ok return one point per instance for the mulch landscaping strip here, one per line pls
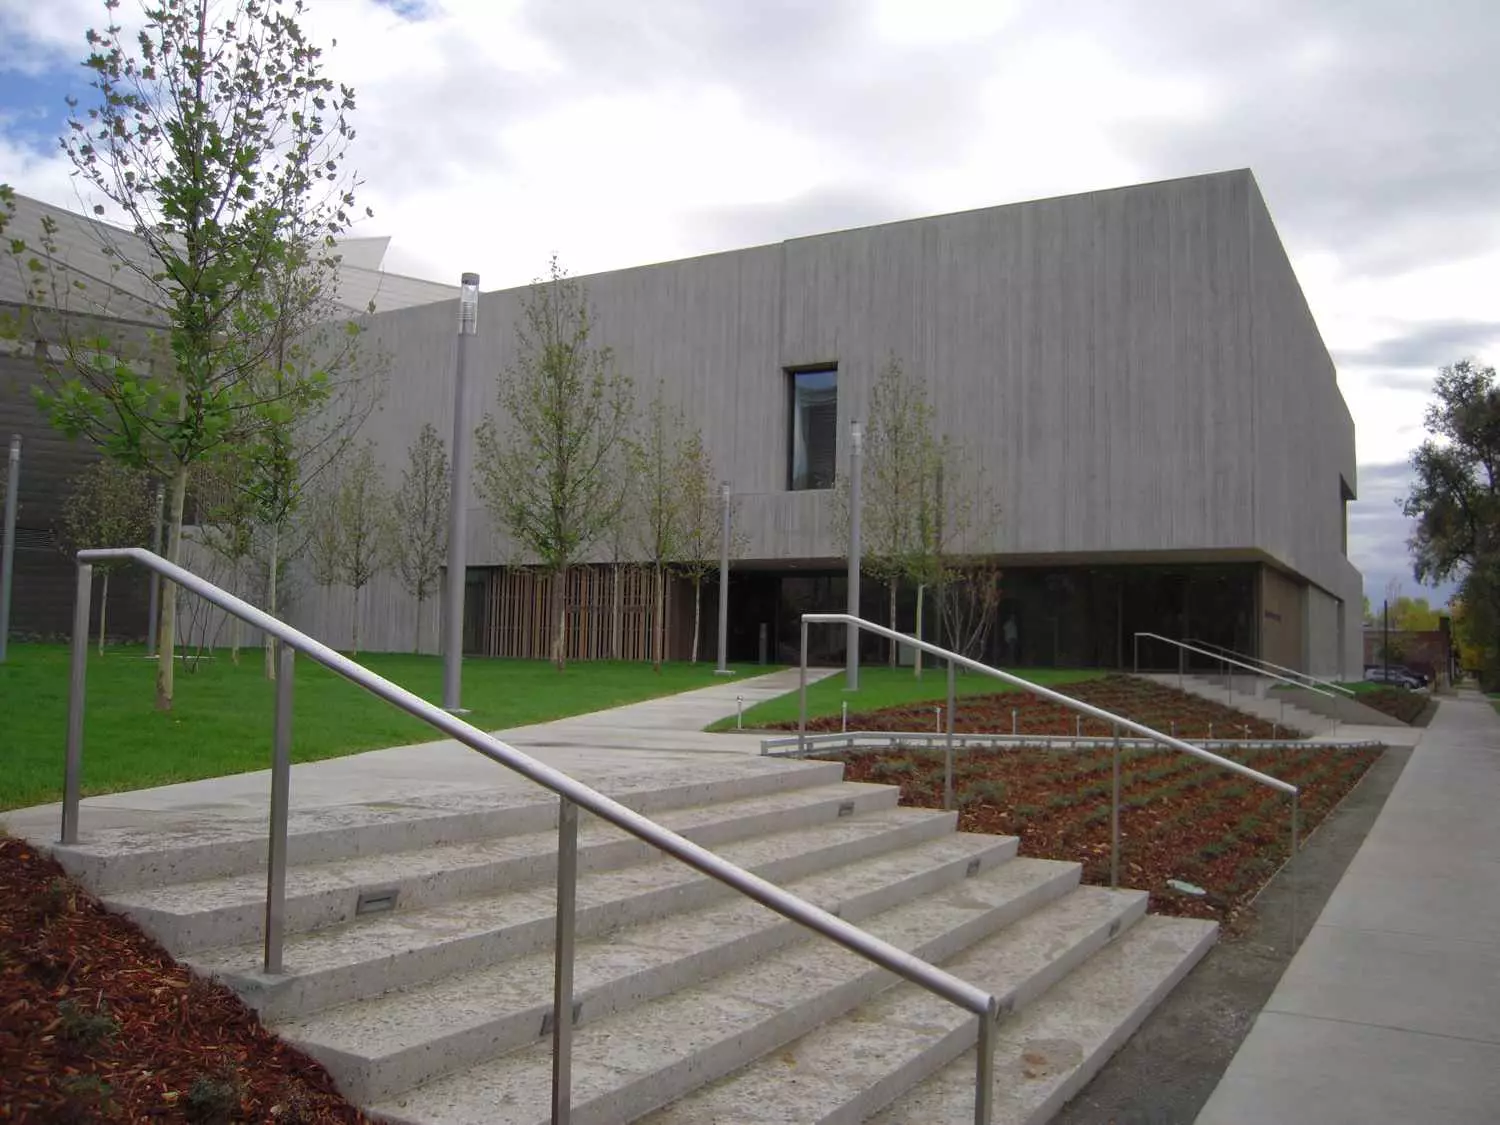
(1156, 705)
(98, 1023)
(1396, 702)
(1180, 819)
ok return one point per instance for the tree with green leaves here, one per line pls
(543, 468)
(225, 524)
(656, 451)
(421, 539)
(363, 516)
(108, 505)
(217, 136)
(1455, 499)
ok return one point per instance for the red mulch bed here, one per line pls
(1179, 819)
(98, 1023)
(1396, 702)
(1150, 703)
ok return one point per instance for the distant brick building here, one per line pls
(1428, 650)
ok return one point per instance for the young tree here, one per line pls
(897, 467)
(544, 473)
(363, 518)
(1455, 498)
(703, 525)
(108, 505)
(226, 525)
(421, 539)
(656, 453)
(217, 135)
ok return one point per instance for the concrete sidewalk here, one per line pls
(1390, 1011)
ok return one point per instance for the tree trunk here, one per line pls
(658, 624)
(416, 641)
(617, 617)
(103, 607)
(270, 642)
(354, 643)
(166, 639)
(697, 612)
(895, 646)
(560, 618)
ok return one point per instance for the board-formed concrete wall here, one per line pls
(1132, 371)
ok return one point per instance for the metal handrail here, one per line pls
(573, 795)
(1263, 662)
(956, 660)
(1183, 646)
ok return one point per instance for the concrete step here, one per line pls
(628, 1065)
(191, 917)
(841, 1073)
(380, 1048)
(215, 842)
(382, 953)
(1050, 1051)
(1291, 717)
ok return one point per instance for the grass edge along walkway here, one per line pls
(221, 721)
(881, 686)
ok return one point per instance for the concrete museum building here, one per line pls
(1134, 374)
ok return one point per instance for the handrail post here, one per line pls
(948, 763)
(1136, 644)
(802, 695)
(562, 973)
(281, 787)
(984, 1065)
(1114, 820)
(77, 673)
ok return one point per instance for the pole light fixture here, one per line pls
(458, 512)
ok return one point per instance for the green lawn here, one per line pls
(880, 686)
(221, 723)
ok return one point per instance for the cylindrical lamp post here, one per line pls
(458, 512)
(8, 549)
(856, 459)
(723, 668)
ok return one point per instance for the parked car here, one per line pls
(1396, 676)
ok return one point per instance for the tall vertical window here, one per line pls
(815, 427)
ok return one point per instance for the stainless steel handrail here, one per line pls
(1183, 646)
(573, 795)
(957, 660)
(1263, 662)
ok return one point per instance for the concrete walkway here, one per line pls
(1390, 1011)
(606, 749)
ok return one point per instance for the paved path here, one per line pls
(1390, 1011)
(603, 749)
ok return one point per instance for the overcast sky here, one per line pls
(616, 132)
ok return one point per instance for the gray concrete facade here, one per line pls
(1135, 373)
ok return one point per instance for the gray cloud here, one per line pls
(1385, 152)
(1378, 533)
(1427, 346)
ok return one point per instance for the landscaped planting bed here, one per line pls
(1153, 704)
(1180, 818)
(97, 1023)
(1397, 702)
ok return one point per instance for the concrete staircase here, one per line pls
(419, 964)
(1251, 695)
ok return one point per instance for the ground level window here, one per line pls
(814, 436)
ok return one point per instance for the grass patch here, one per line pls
(221, 722)
(881, 687)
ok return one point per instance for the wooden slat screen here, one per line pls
(518, 603)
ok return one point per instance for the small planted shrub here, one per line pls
(86, 1027)
(213, 1099)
